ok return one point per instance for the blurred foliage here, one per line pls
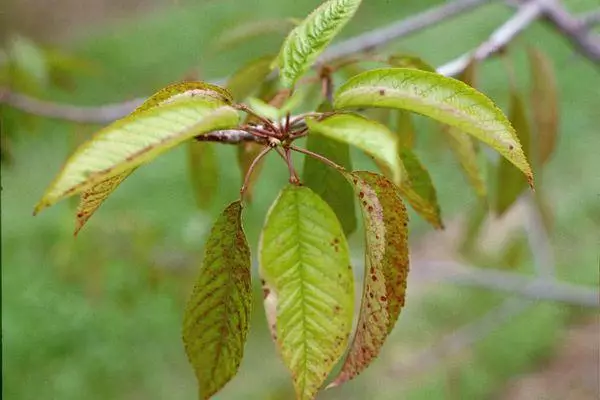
(99, 317)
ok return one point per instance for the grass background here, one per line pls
(99, 317)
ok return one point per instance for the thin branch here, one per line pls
(319, 157)
(576, 30)
(463, 338)
(231, 136)
(498, 40)
(591, 18)
(546, 289)
(255, 162)
(369, 40)
(382, 36)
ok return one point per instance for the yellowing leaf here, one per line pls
(204, 171)
(405, 129)
(308, 40)
(372, 137)
(544, 102)
(417, 188)
(93, 197)
(510, 183)
(129, 142)
(217, 316)
(305, 264)
(328, 183)
(444, 99)
(249, 78)
(386, 269)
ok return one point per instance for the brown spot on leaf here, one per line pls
(381, 92)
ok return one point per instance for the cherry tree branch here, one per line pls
(498, 40)
(366, 41)
(576, 30)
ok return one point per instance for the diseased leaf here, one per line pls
(91, 199)
(308, 40)
(510, 182)
(134, 140)
(249, 78)
(305, 264)
(444, 99)
(218, 312)
(544, 102)
(408, 61)
(252, 29)
(204, 172)
(372, 137)
(417, 188)
(327, 182)
(386, 269)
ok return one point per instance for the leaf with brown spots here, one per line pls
(91, 199)
(137, 139)
(544, 102)
(444, 99)
(217, 316)
(386, 269)
(304, 262)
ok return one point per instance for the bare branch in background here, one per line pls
(461, 339)
(370, 40)
(382, 36)
(538, 288)
(574, 29)
(498, 40)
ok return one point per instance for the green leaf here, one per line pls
(444, 99)
(328, 183)
(249, 78)
(372, 137)
(309, 285)
(409, 61)
(386, 269)
(308, 40)
(417, 188)
(544, 102)
(465, 151)
(252, 29)
(91, 199)
(28, 66)
(463, 145)
(218, 312)
(134, 140)
(204, 172)
(510, 183)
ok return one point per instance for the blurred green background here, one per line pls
(98, 317)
